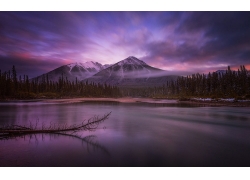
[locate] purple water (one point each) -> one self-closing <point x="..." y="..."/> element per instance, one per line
<point x="139" y="134"/>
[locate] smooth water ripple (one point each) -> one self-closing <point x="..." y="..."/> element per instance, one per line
<point x="136" y="134"/>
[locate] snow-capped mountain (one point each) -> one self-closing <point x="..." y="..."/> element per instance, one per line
<point x="129" y="67"/>
<point x="221" y="71"/>
<point x="131" y="72"/>
<point x="234" y="71"/>
<point x="72" y="71"/>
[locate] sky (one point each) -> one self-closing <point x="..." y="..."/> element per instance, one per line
<point x="179" y="42"/>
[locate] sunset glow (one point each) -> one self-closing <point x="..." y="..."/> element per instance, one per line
<point x="180" y="42"/>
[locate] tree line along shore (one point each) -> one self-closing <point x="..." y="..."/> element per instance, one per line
<point x="215" y="85"/>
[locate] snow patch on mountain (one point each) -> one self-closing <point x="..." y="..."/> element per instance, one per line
<point x="107" y="65"/>
<point x="87" y="65"/>
<point x="221" y="71"/>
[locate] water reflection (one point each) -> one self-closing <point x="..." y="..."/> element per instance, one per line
<point x="91" y="140"/>
<point x="59" y="149"/>
<point x="139" y="134"/>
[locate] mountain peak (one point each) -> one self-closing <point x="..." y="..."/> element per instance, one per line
<point x="131" y="57"/>
<point x="132" y="60"/>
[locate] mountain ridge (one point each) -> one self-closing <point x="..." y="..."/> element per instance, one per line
<point x="75" y="70"/>
<point x="129" y="72"/>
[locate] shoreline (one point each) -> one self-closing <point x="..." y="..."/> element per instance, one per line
<point x="200" y="102"/>
<point x="217" y="103"/>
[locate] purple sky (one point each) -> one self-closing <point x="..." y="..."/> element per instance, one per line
<point x="180" y="42"/>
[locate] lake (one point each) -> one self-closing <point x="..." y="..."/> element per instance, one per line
<point x="136" y="134"/>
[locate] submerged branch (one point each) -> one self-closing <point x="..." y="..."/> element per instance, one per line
<point x="17" y="130"/>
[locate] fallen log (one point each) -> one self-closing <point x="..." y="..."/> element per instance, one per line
<point x="18" y="130"/>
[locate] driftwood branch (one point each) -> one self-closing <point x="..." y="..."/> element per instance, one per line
<point x="18" y="130"/>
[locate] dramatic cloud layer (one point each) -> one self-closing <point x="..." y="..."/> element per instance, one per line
<point x="180" y="42"/>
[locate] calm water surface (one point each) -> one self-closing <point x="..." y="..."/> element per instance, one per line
<point x="139" y="134"/>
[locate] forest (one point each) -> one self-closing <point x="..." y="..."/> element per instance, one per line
<point x="228" y="84"/>
<point x="12" y="87"/>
